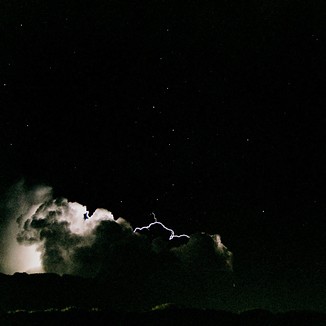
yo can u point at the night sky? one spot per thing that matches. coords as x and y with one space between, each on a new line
211 114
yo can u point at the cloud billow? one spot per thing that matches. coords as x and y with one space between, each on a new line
70 242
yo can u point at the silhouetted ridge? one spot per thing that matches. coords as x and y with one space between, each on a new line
171 315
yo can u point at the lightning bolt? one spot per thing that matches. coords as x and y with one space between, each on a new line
172 235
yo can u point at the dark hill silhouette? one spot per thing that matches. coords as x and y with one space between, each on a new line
50 299
22 291
176 316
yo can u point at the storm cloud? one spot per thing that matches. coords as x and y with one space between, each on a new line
69 241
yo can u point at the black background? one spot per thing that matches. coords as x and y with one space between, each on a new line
208 113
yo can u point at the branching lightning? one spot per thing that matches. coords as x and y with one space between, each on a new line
156 222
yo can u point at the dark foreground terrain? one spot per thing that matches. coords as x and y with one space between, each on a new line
117 292
50 299
168 316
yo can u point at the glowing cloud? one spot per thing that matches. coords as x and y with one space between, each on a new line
54 235
20 202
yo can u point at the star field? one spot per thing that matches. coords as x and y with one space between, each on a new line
208 114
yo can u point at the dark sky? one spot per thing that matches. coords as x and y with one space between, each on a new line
208 113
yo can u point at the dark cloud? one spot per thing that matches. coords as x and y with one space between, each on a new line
204 251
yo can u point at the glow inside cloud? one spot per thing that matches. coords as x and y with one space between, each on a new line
54 235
